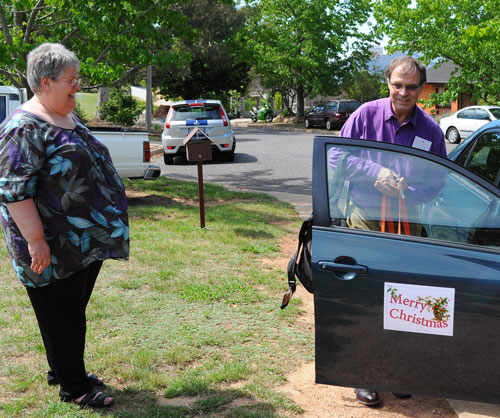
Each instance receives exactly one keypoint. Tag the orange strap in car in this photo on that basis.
(386, 217)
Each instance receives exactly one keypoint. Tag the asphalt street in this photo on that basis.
(274, 162)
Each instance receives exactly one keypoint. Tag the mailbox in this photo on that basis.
(198, 146)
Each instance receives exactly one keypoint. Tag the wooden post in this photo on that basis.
(201, 197)
(149, 97)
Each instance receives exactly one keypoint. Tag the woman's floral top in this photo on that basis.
(79, 195)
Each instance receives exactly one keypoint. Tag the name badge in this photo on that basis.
(422, 144)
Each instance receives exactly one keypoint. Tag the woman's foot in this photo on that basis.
(94, 379)
(93, 399)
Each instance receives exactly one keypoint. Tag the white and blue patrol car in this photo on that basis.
(207, 115)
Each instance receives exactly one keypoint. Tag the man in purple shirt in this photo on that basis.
(396, 119)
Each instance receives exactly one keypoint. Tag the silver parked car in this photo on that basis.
(461, 124)
(209, 116)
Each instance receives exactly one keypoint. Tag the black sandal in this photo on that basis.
(93, 399)
(94, 379)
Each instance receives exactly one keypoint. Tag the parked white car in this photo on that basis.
(209, 116)
(461, 124)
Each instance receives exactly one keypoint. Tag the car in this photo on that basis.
(480, 152)
(330, 115)
(209, 116)
(400, 313)
(461, 124)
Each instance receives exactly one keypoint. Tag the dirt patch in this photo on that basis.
(325, 401)
(178, 401)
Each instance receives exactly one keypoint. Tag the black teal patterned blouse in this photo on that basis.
(79, 195)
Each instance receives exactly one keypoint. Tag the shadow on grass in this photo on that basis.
(230, 403)
(151, 200)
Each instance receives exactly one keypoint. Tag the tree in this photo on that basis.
(465, 32)
(213, 67)
(365, 86)
(306, 47)
(112, 39)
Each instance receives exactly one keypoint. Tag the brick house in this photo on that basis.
(436, 83)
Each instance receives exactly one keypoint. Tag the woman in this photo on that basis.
(63, 211)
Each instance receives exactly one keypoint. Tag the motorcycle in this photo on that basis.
(265, 113)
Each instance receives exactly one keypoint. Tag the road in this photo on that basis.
(275, 162)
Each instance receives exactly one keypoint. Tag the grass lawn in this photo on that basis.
(194, 314)
(88, 103)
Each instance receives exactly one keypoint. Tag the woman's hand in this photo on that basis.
(40, 255)
(27, 219)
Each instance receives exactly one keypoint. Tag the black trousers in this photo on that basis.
(60, 312)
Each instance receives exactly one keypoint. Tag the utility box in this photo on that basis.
(198, 146)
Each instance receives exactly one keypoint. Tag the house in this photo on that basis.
(436, 83)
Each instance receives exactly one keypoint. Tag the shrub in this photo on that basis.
(121, 108)
(80, 114)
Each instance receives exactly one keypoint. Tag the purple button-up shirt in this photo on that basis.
(376, 121)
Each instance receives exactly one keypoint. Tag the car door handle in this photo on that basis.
(347, 268)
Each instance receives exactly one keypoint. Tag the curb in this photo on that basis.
(278, 126)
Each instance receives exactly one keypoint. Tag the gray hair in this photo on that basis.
(409, 65)
(49, 60)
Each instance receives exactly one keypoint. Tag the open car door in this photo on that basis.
(415, 313)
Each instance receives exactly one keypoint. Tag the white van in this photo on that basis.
(10, 99)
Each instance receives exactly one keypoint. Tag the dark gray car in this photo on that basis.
(331, 115)
(414, 314)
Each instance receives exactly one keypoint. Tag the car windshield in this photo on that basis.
(203, 112)
(495, 111)
(346, 106)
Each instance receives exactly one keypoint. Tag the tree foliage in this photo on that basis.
(111, 38)
(365, 85)
(306, 47)
(465, 32)
(121, 108)
(214, 67)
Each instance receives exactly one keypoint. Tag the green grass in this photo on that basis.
(88, 104)
(194, 314)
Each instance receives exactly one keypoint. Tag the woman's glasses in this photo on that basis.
(73, 81)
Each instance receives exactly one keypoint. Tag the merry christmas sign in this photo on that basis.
(420, 309)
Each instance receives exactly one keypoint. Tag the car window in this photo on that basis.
(482, 114)
(495, 111)
(438, 202)
(332, 106)
(466, 114)
(349, 106)
(319, 108)
(485, 157)
(206, 112)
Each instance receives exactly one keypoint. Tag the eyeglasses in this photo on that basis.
(73, 82)
(408, 87)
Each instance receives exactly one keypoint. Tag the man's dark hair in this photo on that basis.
(409, 65)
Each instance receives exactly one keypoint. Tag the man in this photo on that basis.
(396, 119)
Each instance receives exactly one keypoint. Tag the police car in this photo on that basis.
(209, 116)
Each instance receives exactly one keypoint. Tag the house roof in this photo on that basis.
(440, 74)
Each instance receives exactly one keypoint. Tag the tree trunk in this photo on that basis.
(102, 97)
(299, 117)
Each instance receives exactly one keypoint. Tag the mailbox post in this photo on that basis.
(199, 149)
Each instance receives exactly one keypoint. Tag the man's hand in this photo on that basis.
(390, 184)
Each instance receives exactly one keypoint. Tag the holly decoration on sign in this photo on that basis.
(438, 306)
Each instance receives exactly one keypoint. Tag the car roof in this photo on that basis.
(495, 124)
(203, 101)
(480, 107)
